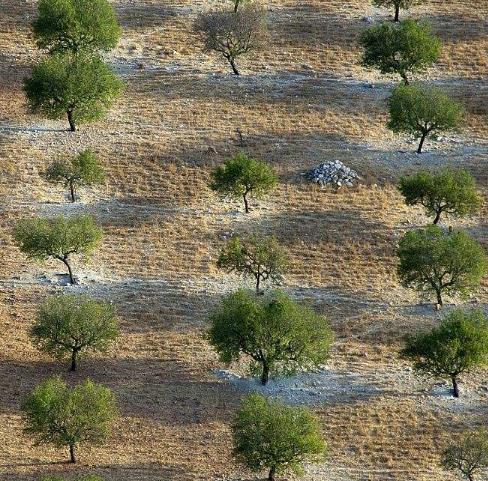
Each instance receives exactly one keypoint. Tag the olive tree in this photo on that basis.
(403, 48)
(242, 176)
(233, 34)
(57, 414)
(83, 169)
(397, 5)
(260, 257)
(469, 455)
(422, 111)
(74, 25)
(456, 346)
(277, 334)
(80, 87)
(57, 238)
(67, 326)
(271, 435)
(449, 191)
(436, 261)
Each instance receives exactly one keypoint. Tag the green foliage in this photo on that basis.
(458, 345)
(433, 260)
(468, 456)
(422, 110)
(79, 86)
(57, 414)
(83, 169)
(448, 191)
(74, 25)
(233, 34)
(270, 435)
(397, 5)
(69, 325)
(58, 237)
(279, 335)
(260, 257)
(403, 48)
(243, 175)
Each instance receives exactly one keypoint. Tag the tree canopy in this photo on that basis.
(74, 25)
(457, 345)
(260, 257)
(448, 191)
(82, 87)
(270, 435)
(58, 238)
(438, 261)
(67, 326)
(397, 5)
(66, 417)
(233, 34)
(242, 176)
(279, 335)
(400, 48)
(422, 110)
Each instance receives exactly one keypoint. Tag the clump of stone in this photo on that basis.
(332, 173)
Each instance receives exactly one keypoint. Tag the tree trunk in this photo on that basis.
(439, 297)
(72, 453)
(265, 374)
(258, 281)
(397, 13)
(422, 140)
(271, 476)
(233, 65)
(405, 78)
(70, 272)
(437, 216)
(72, 190)
(246, 203)
(74, 354)
(455, 388)
(71, 121)
(236, 5)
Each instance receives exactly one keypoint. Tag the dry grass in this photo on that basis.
(301, 101)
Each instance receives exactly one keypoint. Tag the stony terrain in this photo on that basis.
(303, 101)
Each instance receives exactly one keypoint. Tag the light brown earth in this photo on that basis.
(304, 100)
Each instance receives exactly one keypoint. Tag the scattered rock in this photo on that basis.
(333, 173)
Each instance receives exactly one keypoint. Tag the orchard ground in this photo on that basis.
(302, 101)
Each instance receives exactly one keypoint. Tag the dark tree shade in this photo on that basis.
(80, 87)
(436, 261)
(404, 48)
(67, 326)
(422, 110)
(58, 238)
(233, 34)
(242, 176)
(457, 346)
(74, 25)
(259, 257)
(449, 191)
(56, 414)
(279, 335)
(270, 435)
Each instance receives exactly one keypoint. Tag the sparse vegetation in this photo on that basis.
(404, 48)
(74, 25)
(83, 169)
(58, 238)
(422, 111)
(436, 261)
(233, 34)
(396, 5)
(469, 455)
(67, 326)
(279, 335)
(260, 257)
(80, 87)
(451, 192)
(66, 417)
(242, 176)
(270, 435)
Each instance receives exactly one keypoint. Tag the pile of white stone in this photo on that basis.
(332, 173)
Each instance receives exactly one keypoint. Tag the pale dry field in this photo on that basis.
(303, 100)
